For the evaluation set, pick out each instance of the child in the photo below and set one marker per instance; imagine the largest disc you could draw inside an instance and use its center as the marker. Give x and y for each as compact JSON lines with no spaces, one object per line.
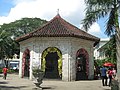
{"x":5,"y":72}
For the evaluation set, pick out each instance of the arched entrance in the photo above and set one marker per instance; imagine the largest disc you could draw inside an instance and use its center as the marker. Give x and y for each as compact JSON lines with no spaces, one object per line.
{"x":82,"y":64}
{"x":25,"y":63}
{"x":52,"y":62}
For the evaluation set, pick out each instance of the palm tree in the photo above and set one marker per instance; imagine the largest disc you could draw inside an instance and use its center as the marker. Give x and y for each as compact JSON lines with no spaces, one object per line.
{"x":110,"y":50}
{"x":97,"y":9}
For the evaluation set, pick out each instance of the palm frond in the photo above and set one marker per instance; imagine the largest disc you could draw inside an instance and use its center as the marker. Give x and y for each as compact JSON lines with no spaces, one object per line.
{"x":93,"y":16}
{"x":110,"y":27}
{"x":99,"y":2}
{"x":95,"y":10}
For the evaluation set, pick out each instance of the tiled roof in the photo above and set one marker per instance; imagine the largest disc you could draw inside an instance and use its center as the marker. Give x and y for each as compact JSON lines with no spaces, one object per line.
{"x":58,"y":27}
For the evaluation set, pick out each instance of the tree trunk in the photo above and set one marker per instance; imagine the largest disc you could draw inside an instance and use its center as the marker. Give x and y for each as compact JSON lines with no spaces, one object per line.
{"x":118,"y":53}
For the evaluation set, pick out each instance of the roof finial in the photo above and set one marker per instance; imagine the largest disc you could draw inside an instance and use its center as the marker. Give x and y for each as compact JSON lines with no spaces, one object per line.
{"x":58,"y":11}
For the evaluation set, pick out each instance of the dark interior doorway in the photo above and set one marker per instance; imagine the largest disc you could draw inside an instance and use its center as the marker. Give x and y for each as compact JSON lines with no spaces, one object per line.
{"x":26,"y":67}
{"x":81,"y":67}
{"x":51,"y":66}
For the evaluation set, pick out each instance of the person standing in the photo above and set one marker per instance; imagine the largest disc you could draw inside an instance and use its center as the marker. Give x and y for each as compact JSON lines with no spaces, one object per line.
{"x":5,"y":69}
{"x":114,"y":73}
{"x":103,"y":71}
{"x":110,"y":75}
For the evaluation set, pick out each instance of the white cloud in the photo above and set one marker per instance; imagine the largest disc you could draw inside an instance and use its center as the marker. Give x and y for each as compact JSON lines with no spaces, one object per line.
{"x":95,"y":28}
{"x":71,"y":10}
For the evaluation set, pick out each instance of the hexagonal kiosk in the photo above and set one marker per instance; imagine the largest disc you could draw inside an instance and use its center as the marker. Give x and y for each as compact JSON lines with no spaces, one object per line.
{"x":60,"y":49}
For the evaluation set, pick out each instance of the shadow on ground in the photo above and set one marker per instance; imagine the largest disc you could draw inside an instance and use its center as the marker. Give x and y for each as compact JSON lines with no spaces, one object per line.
{"x":1,"y":75}
{"x":3,"y":82}
{"x":11,"y":87}
{"x":46,"y":88}
{"x":107,"y":89}
{"x":42,"y":88}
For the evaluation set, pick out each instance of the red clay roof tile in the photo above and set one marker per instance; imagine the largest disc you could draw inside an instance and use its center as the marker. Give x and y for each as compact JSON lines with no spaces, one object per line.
{"x":58,"y":27}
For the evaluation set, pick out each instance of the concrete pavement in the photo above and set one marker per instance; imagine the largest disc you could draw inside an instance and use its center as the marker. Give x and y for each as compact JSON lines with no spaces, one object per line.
{"x":13,"y":82}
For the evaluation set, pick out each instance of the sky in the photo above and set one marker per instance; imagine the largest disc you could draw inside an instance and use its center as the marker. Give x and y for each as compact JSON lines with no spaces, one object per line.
{"x":72,"y":11}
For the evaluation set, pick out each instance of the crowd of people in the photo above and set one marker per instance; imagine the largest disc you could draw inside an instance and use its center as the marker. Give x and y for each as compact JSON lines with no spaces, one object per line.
{"x":107,"y":74}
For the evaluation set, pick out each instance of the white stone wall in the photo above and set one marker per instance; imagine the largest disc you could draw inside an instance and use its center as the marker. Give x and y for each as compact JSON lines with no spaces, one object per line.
{"x":27,"y":44}
{"x":67,"y":45}
{"x":63,"y":45}
{"x":88,"y":46}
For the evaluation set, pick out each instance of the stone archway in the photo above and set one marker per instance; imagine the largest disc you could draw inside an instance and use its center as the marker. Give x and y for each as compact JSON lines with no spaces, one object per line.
{"x":82,"y":64}
{"x":25,"y":63}
{"x":52,"y":62}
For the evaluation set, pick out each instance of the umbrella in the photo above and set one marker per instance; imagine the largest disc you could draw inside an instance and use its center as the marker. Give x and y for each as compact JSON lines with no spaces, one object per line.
{"x":108,"y":64}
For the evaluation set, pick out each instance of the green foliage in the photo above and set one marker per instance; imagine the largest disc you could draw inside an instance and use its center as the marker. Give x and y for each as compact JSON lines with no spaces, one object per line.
{"x":6,"y":43}
{"x":60,"y":66}
{"x":110,"y":50}
{"x":101,"y":62}
{"x":43,"y":64}
{"x":52,"y":49}
{"x":0,"y":70}
{"x":8,"y":33}
{"x":9,"y":71}
{"x":23,"y":26}
{"x":97,"y":9}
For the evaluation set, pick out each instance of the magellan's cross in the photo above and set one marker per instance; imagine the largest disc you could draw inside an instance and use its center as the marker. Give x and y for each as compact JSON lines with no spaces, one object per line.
{"x":57,"y":11}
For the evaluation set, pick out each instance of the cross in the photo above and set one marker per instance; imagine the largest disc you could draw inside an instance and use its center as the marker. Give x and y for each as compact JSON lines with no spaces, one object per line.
{"x":57,"y":11}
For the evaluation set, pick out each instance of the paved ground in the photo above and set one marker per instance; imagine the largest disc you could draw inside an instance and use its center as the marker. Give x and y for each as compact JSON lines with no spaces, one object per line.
{"x":13,"y":82}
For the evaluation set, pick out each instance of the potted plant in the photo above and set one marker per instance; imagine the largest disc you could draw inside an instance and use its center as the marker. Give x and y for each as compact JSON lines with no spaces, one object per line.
{"x":38,"y":75}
